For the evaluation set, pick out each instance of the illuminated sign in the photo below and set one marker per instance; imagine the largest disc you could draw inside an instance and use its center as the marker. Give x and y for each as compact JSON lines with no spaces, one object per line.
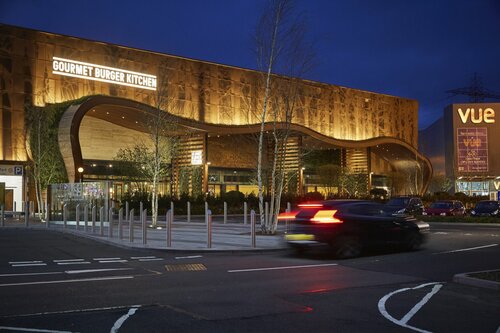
{"x":196,"y":157}
{"x":472,"y":148}
{"x":477,"y":116}
{"x":84,"y":70}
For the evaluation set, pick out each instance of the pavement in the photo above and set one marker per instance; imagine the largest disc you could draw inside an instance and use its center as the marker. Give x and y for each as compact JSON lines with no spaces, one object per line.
{"x":234,"y":235}
{"x":192,"y":236}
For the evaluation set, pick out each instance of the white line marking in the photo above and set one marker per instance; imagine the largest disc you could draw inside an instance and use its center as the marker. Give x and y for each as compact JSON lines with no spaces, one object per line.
{"x":403,"y":322}
{"x":82,"y":271}
{"x":152,"y":259}
{"x":188,"y":257}
{"x":122,"y":319}
{"x":72,"y":311}
{"x":22,"y":329}
{"x":68,"y":260}
{"x":98,"y":259}
{"x":25,"y":262}
{"x":111,"y":261}
{"x":29,"y":274}
{"x":468,"y":249}
{"x":68,"y":281}
{"x":276,"y":268}
{"x":74,"y":263}
{"x":28,"y":265}
{"x":440,"y":233}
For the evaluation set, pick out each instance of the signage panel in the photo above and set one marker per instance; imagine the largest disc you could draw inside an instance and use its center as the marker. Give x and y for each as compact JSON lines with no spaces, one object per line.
{"x":472,"y":149}
{"x":88,"y":71}
{"x":11,"y":170}
{"x":196,"y":157}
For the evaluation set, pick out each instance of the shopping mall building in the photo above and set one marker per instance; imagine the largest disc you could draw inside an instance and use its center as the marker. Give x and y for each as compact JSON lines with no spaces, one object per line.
{"x":109,"y":92}
{"x":462,"y":146}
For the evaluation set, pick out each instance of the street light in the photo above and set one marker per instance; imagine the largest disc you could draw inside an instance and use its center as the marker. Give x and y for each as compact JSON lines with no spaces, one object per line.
{"x":80,"y":171}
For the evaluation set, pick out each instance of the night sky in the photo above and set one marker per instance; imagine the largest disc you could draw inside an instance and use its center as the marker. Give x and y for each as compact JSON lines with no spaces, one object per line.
{"x":410,"y":48}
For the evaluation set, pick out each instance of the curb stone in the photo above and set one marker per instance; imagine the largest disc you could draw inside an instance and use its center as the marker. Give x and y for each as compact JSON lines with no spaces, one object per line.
{"x":464,"y":278}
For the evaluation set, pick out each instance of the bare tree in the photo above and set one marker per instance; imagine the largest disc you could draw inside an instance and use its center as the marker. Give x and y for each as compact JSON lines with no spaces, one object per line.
{"x":153,"y":161}
{"x":46,"y":165}
{"x":280,"y":49}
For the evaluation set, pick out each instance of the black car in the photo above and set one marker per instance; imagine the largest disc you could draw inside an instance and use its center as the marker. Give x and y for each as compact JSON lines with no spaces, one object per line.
{"x":486,"y":208}
{"x":405,"y":205}
{"x":349,"y":226}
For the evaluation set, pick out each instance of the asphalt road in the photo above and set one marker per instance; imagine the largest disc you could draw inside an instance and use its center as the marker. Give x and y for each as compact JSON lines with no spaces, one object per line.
{"x":54,"y":282}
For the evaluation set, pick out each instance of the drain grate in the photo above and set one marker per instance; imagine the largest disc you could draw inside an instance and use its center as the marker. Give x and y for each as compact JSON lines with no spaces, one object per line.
{"x":185,"y":267}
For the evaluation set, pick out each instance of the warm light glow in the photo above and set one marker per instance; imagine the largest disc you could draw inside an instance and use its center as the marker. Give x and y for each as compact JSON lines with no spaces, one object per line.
{"x":80,"y":169}
{"x":311,"y":205}
{"x":326,"y":216}
{"x":287,"y":215}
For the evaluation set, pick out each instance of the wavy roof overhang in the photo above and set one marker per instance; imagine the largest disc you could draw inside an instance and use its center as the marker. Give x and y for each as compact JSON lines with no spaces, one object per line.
{"x":130,"y":114}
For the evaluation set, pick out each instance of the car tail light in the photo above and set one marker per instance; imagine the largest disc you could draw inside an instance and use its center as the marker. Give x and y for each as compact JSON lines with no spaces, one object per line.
{"x":287,"y":215}
{"x":326,"y":216}
{"x":311,"y":205}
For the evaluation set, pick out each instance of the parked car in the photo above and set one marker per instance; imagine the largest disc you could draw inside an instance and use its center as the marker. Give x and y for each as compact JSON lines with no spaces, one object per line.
{"x":445,"y":208}
{"x":486,"y":208}
{"x":405,"y":205}
{"x":350,"y":226}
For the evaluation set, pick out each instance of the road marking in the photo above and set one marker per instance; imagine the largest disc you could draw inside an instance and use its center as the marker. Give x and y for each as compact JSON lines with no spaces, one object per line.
{"x":277,"y":268}
{"x":67,"y":260}
{"x":28,"y":265}
{"x":29,"y":274}
{"x":440,"y":233}
{"x":403,"y":322}
{"x":111,"y":261}
{"x":152,"y":259}
{"x":25,"y":262}
{"x":122,"y":319}
{"x":99,"y":259}
{"x":119,"y":307}
{"x":68,"y":281}
{"x":82,"y":271}
{"x":22,"y":329}
{"x":74,"y":263}
{"x":468,"y":249}
{"x":188,"y":257}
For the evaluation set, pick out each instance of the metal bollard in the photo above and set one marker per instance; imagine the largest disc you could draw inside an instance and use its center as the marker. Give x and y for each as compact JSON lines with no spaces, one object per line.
{"x":120,"y":221}
{"x":144,"y":226}
{"x":26,"y":213}
{"x":188,"y":211}
{"x":77,"y":216}
{"x":141,"y":210}
{"x":169,"y":228}
{"x":94,"y":213}
{"x":172,"y":210}
{"x":101,"y":220}
{"x":126,"y":211}
{"x":208,"y":221}
{"x":86,"y":217}
{"x":245,"y":210}
{"x":2,"y":216}
{"x":65,"y":217}
{"x":266,"y":213}
{"x":110,"y":226}
{"x":252,"y":227}
{"x":47,"y":214}
{"x":131,"y":226}
{"x":225,"y":212}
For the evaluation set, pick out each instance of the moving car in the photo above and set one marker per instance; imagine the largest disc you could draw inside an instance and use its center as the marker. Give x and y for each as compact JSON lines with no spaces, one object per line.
{"x":349,"y":226}
{"x":486,"y":208}
{"x":405,"y":205}
{"x":445,"y":208}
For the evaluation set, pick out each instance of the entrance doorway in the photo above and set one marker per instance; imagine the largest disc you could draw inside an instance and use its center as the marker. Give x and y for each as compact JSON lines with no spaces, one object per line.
{"x":9,"y":199}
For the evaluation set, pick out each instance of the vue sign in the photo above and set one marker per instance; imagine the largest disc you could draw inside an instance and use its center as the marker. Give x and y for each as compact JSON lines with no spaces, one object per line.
{"x":477,"y":116}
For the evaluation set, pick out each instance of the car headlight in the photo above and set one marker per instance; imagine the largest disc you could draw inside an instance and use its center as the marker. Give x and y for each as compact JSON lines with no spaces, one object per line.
{"x":424,"y":213}
{"x":401,"y":211}
{"x":473,"y":212}
{"x":442,"y":214}
{"x":495,"y":212}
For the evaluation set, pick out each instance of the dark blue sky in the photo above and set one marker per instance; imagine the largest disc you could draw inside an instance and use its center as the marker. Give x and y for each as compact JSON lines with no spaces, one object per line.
{"x":410,"y":48}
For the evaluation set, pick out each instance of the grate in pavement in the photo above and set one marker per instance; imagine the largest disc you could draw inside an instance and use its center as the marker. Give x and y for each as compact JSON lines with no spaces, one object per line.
{"x":185,"y":267}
